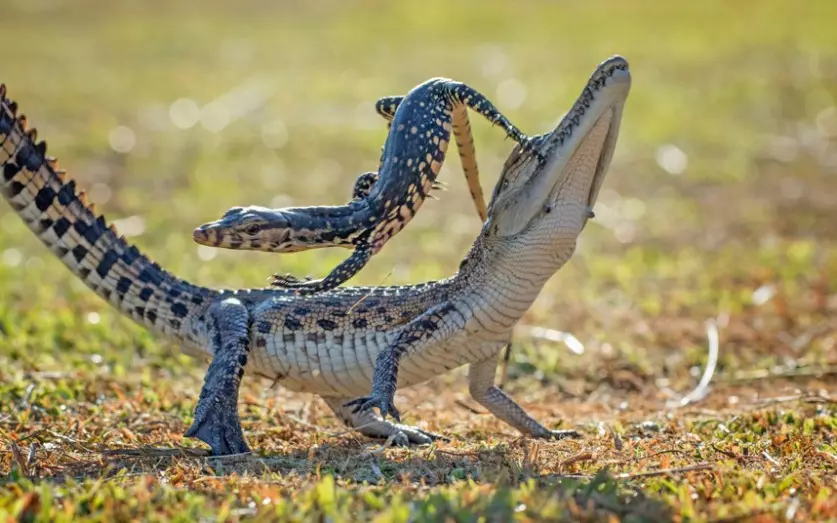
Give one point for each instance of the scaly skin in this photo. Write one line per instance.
(332, 344)
(412, 156)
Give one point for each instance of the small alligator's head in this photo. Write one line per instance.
(543, 201)
(272, 230)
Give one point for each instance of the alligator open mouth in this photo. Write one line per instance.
(573, 158)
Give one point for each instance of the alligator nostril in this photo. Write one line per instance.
(200, 234)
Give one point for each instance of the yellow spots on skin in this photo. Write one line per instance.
(400, 127)
(422, 166)
(414, 130)
(438, 122)
(406, 213)
(429, 158)
(443, 146)
(435, 166)
(447, 127)
(436, 140)
(409, 162)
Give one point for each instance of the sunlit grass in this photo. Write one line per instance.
(719, 205)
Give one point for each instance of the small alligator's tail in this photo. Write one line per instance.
(50, 206)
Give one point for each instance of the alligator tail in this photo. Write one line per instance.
(48, 203)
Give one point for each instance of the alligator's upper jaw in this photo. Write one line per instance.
(576, 156)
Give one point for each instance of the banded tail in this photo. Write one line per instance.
(48, 203)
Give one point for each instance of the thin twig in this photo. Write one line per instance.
(585, 455)
(702, 390)
(635, 475)
(555, 336)
(764, 374)
(469, 408)
(666, 472)
(369, 293)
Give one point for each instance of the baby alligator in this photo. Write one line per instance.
(410, 162)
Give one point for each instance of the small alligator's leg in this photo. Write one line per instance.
(468, 156)
(216, 415)
(371, 425)
(482, 389)
(348, 268)
(363, 185)
(432, 327)
(467, 95)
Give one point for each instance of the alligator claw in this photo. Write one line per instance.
(529, 145)
(563, 434)
(217, 424)
(288, 281)
(385, 405)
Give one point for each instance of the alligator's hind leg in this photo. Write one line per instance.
(482, 389)
(372, 426)
(216, 416)
(387, 106)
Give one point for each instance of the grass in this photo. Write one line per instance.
(719, 206)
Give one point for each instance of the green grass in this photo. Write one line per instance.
(744, 236)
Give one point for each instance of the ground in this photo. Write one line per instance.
(717, 218)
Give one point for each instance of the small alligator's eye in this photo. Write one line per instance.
(253, 229)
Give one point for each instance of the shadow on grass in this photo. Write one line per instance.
(487, 483)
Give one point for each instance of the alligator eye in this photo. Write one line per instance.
(253, 230)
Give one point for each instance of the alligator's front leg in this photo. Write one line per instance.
(434, 326)
(216, 416)
(348, 268)
(372, 426)
(482, 389)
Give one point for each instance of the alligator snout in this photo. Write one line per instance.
(205, 235)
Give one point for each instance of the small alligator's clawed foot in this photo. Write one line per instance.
(217, 424)
(556, 435)
(408, 435)
(386, 405)
(288, 281)
(530, 145)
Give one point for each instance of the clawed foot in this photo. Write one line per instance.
(288, 281)
(408, 435)
(386, 405)
(217, 424)
(560, 434)
(530, 145)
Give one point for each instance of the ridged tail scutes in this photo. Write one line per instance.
(49, 204)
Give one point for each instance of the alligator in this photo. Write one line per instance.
(339, 344)
(413, 154)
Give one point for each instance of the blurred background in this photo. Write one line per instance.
(720, 203)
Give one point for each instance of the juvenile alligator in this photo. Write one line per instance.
(331, 344)
(412, 156)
